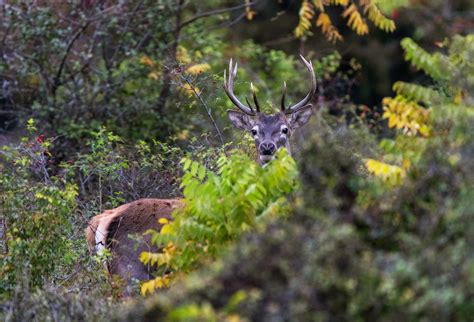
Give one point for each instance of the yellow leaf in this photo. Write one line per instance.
(183, 135)
(144, 257)
(406, 164)
(355, 21)
(163, 221)
(233, 318)
(306, 13)
(424, 130)
(392, 121)
(391, 174)
(182, 55)
(145, 60)
(327, 28)
(154, 75)
(458, 98)
(376, 16)
(188, 90)
(150, 286)
(249, 13)
(198, 69)
(147, 288)
(323, 21)
(167, 230)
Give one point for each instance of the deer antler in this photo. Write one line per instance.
(255, 100)
(229, 90)
(283, 97)
(304, 101)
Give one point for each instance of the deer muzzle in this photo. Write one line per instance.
(267, 148)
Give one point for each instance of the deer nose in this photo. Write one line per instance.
(267, 148)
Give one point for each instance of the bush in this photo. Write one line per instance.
(219, 206)
(38, 211)
(55, 304)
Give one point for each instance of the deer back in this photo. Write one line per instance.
(112, 229)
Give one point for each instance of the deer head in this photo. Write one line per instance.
(270, 132)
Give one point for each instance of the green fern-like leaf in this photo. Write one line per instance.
(418, 93)
(218, 207)
(430, 64)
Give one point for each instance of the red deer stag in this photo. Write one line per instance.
(111, 229)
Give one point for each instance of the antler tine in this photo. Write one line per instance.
(311, 92)
(255, 100)
(248, 103)
(229, 89)
(283, 97)
(234, 74)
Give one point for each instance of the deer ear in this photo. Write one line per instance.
(301, 116)
(240, 120)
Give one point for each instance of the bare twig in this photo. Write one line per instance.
(57, 78)
(166, 89)
(214, 12)
(204, 104)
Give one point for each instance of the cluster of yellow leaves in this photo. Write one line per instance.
(406, 115)
(188, 89)
(163, 258)
(184, 58)
(376, 16)
(182, 55)
(351, 12)
(150, 286)
(198, 69)
(157, 259)
(306, 13)
(391, 174)
(166, 228)
(327, 28)
(319, 4)
(355, 20)
(145, 60)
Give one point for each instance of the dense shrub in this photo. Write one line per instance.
(219, 206)
(55, 304)
(37, 210)
(45, 212)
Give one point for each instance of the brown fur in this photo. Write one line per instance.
(114, 227)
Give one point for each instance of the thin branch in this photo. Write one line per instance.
(166, 89)
(225, 24)
(215, 12)
(206, 107)
(56, 81)
(125, 29)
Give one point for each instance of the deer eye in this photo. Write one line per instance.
(253, 131)
(284, 130)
